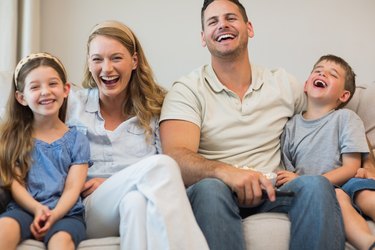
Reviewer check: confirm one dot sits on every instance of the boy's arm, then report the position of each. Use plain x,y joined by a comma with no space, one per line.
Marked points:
351,162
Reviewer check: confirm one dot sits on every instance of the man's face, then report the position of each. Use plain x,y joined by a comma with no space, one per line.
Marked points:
225,32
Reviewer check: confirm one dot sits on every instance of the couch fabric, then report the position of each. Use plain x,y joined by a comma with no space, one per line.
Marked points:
263,231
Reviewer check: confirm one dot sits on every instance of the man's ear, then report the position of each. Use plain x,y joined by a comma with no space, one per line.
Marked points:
344,96
20,98
203,39
250,29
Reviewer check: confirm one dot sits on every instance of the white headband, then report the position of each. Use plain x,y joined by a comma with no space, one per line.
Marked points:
31,57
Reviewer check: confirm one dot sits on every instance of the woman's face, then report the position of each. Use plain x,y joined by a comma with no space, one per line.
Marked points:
111,65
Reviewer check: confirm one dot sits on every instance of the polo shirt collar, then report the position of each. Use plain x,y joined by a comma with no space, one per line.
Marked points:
217,86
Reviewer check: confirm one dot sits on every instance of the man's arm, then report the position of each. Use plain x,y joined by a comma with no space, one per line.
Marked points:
180,139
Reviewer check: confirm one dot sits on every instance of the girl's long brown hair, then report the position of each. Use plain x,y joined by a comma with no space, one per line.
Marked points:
16,128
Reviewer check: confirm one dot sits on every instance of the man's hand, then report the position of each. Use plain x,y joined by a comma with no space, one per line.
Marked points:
284,176
248,185
91,185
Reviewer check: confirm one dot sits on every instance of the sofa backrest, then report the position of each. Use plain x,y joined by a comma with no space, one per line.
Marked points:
363,103
5,84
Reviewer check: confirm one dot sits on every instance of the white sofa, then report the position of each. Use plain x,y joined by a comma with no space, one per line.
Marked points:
263,231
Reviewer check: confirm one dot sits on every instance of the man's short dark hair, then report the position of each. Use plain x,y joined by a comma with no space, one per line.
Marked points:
236,2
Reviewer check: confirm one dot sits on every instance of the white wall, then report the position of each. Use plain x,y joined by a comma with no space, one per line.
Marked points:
288,33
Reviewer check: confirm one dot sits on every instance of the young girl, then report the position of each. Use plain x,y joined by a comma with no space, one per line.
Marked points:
42,161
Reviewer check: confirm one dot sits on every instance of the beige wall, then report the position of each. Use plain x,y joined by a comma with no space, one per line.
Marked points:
288,33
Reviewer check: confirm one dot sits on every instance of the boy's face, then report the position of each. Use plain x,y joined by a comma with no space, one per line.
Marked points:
326,84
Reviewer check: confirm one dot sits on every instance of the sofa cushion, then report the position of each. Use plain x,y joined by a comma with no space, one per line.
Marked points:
108,243
267,231
271,231
363,104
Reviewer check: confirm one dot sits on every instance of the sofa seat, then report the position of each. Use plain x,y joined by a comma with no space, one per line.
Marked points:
108,243
262,231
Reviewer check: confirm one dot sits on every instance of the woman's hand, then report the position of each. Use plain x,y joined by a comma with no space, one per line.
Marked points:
91,185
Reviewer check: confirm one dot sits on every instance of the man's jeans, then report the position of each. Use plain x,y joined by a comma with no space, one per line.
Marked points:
314,212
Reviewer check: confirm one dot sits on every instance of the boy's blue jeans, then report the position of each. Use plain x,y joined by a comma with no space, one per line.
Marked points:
314,212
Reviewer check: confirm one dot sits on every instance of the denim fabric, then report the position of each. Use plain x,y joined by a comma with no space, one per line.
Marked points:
217,214
314,212
51,162
358,184
73,225
355,185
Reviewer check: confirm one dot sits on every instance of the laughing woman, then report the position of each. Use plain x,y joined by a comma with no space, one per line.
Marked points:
133,190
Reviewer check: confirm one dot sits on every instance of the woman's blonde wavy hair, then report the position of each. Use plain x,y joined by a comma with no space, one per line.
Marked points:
16,128
144,96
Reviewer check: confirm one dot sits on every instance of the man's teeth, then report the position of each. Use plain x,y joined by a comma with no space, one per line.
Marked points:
220,38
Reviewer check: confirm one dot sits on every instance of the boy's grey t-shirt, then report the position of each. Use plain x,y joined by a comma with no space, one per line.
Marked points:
314,147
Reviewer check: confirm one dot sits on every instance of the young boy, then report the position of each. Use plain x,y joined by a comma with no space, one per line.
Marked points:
330,141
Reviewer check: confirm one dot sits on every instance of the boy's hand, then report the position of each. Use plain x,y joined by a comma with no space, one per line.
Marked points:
365,173
284,176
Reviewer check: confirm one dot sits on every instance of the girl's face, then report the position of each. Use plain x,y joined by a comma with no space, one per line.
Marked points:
44,92
111,65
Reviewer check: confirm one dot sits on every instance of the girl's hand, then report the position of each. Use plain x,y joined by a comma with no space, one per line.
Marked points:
91,185
284,176
38,226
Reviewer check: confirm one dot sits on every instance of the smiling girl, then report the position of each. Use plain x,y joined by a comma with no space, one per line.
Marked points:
42,161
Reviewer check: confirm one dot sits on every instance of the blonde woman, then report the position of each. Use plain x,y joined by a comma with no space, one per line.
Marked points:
133,190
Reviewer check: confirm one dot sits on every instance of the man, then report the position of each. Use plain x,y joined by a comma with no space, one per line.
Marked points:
222,124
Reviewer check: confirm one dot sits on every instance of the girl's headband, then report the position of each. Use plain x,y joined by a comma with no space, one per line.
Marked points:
31,57
116,25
